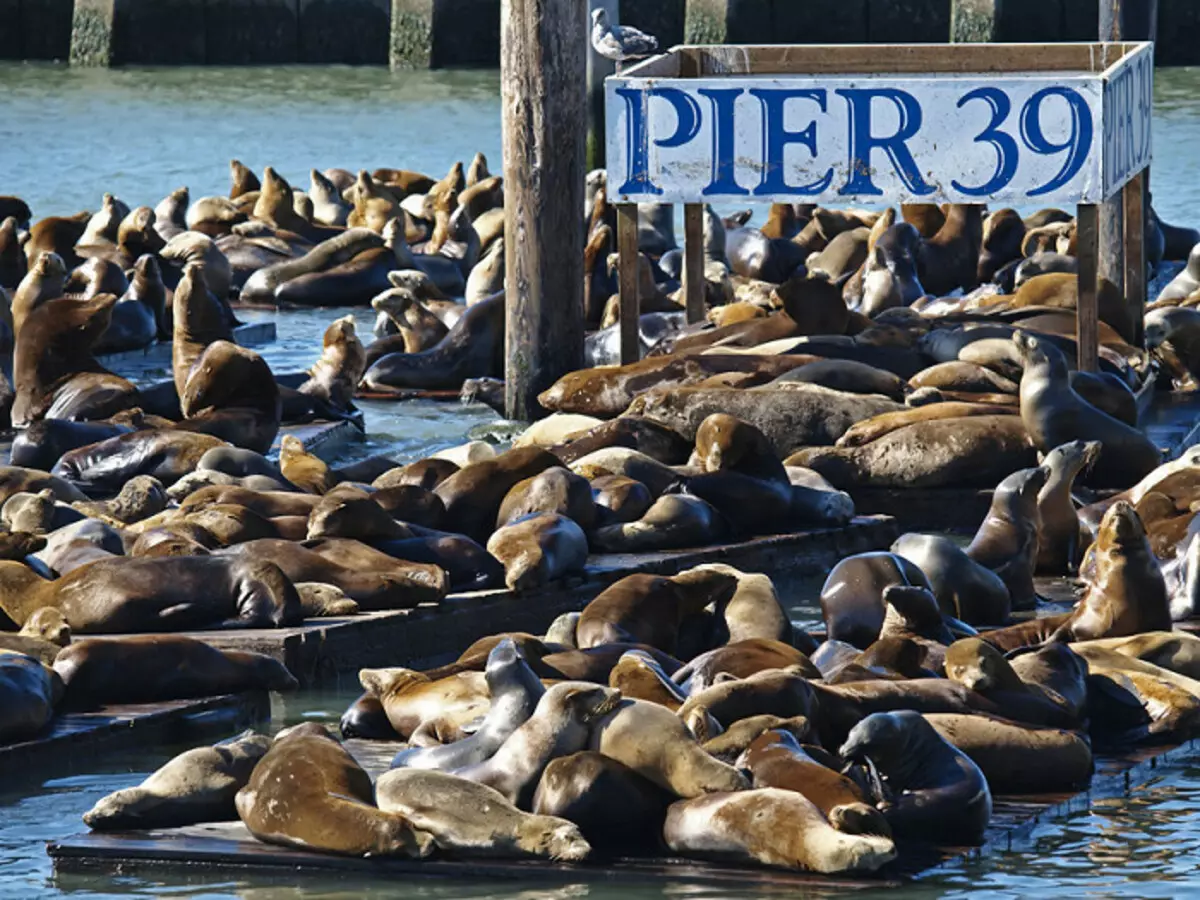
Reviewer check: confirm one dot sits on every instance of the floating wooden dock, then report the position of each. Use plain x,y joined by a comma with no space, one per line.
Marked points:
322,648
229,846
328,440
74,739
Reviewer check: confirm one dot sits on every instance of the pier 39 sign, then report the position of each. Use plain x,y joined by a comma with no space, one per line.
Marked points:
1024,138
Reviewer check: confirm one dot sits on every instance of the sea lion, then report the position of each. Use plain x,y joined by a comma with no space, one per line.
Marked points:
308,792
775,759
963,587
231,393
1018,759
648,609
196,786
1126,593
152,668
1061,539
775,692
656,744
672,522
852,597
1177,651
638,676
754,612
734,741
613,806
105,467
168,594
1007,540
56,234
472,819
864,432
262,285
554,490
410,698
474,494
980,667
514,690
198,319
424,473
45,280
559,726
335,376
935,791
539,548
772,827
138,316
741,659
1054,414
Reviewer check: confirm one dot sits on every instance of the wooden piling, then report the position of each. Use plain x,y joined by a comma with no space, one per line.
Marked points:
693,261
543,73
1133,198
1087,313
627,281
598,68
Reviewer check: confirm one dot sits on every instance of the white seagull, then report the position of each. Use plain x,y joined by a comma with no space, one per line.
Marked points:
620,42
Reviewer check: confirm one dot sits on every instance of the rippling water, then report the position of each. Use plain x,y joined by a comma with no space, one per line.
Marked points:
66,136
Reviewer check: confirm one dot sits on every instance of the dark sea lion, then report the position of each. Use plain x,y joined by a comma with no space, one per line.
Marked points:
950,259
412,504
424,473
935,792
194,787
29,692
170,594
138,316
619,499
152,668
634,432
308,792
963,587
775,692
471,819
17,209
771,827
852,596
366,718
1061,538
613,806
1007,540
105,467
649,609
1003,234
470,567
473,495
1126,593
776,760
1054,414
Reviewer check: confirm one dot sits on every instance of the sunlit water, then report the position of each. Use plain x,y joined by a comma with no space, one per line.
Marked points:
66,136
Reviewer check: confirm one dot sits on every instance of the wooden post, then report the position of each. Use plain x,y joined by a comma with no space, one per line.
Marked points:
1087,312
1112,231
542,74
1133,196
693,261
627,281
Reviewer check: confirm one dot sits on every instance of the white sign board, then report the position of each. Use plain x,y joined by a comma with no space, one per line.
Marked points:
1036,138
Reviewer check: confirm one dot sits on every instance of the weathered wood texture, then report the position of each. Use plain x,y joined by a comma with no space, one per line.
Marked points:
693,261
628,264
1133,198
542,71
75,740
1087,314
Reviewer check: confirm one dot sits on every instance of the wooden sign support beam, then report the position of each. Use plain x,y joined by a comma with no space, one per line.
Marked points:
693,261
1087,314
542,74
627,281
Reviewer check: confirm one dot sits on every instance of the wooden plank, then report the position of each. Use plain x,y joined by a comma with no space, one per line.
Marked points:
906,58
627,281
1134,198
75,740
665,65
1087,314
693,261
543,72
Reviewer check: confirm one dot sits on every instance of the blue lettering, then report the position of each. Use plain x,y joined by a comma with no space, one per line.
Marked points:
1007,151
1077,144
776,138
637,134
862,141
723,181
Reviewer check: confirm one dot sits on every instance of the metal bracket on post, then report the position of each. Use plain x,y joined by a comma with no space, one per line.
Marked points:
1087,312
627,281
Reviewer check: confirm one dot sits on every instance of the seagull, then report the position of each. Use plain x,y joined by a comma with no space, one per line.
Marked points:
620,42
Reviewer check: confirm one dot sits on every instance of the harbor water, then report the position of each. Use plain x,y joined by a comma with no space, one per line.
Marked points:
67,136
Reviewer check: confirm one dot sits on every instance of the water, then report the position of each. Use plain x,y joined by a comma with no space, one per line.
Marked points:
66,136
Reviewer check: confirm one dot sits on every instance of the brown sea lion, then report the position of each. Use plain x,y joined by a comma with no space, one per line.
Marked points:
308,792
303,469
555,490
1007,540
231,393
198,320
638,676
473,495
45,280
980,667
539,548
950,259
864,432
775,692
852,597
424,473
410,698
964,588
335,376
1061,538
741,659
29,692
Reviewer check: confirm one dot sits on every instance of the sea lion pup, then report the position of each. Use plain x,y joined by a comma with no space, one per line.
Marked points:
559,726
515,691
471,819
305,470
933,792
852,597
308,792
1062,538
740,659
122,595
980,667
648,609
773,827
537,549
775,759
196,786
655,743
335,376
150,668
777,692
1054,414
614,807
1126,593
638,676
29,691
1019,759
473,495
977,595
45,280
1007,540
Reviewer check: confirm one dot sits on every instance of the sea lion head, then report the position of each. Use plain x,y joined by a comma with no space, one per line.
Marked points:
722,441
1121,529
714,585
48,624
976,665
394,301
1073,457
582,700
917,608
146,268
50,265
891,740
1024,484
560,842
